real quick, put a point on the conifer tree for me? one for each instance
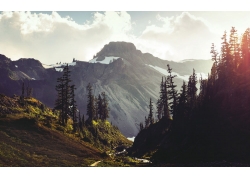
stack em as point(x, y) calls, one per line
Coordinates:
point(90, 103)
point(192, 90)
point(105, 107)
point(182, 102)
point(164, 100)
point(100, 107)
point(64, 96)
point(245, 48)
point(150, 115)
point(95, 108)
point(73, 107)
point(215, 59)
point(159, 109)
point(60, 98)
point(146, 122)
point(172, 92)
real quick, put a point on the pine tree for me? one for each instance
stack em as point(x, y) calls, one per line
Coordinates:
point(95, 108)
point(100, 107)
point(160, 101)
point(90, 103)
point(159, 109)
point(150, 115)
point(105, 107)
point(172, 92)
point(66, 94)
point(60, 98)
point(182, 102)
point(73, 107)
point(164, 100)
point(225, 61)
point(215, 59)
point(192, 90)
point(245, 47)
point(146, 122)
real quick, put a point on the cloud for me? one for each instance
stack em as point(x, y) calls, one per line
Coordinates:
point(52, 38)
point(180, 37)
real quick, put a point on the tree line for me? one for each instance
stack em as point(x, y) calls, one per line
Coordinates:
point(97, 107)
point(172, 105)
point(215, 121)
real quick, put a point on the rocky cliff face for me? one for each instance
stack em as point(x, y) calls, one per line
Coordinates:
point(129, 81)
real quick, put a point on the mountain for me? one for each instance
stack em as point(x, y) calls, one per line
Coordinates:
point(128, 77)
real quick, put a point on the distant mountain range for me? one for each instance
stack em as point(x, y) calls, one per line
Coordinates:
point(128, 76)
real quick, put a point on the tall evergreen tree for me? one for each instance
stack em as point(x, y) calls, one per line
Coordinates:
point(245, 47)
point(95, 108)
point(105, 107)
point(159, 109)
point(182, 102)
point(73, 107)
point(160, 101)
point(60, 98)
point(100, 107)
point(172, 92)
point(146, 122)
point(192, 90)
point(164, 100)
point(64, 96)
point(90, 103)
point(150, 115)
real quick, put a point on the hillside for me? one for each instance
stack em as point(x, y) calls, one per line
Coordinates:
point(129, 79)
point(211, 125)
point(32, 136)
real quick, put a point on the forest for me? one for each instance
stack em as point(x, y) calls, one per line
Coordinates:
point(212, 125)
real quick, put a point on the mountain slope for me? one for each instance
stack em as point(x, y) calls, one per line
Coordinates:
point(31, 135)
point(129, 81)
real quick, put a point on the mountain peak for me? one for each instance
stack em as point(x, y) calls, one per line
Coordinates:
point(116, 48)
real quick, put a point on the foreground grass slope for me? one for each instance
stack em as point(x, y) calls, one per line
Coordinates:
point(30, 135)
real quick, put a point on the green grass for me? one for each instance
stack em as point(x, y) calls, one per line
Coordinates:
point(32, 136)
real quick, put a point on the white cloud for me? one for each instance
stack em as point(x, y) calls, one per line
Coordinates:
point(181, 37)
point(51, 38)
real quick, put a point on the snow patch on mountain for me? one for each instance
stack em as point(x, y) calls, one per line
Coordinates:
point(106, 60)
point(58, 65)
point(59, 69)
point(165, 72)
point(184, 77)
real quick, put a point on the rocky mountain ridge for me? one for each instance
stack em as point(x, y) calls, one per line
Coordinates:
point(129, 82)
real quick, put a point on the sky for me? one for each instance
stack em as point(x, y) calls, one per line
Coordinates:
point(61, 35)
